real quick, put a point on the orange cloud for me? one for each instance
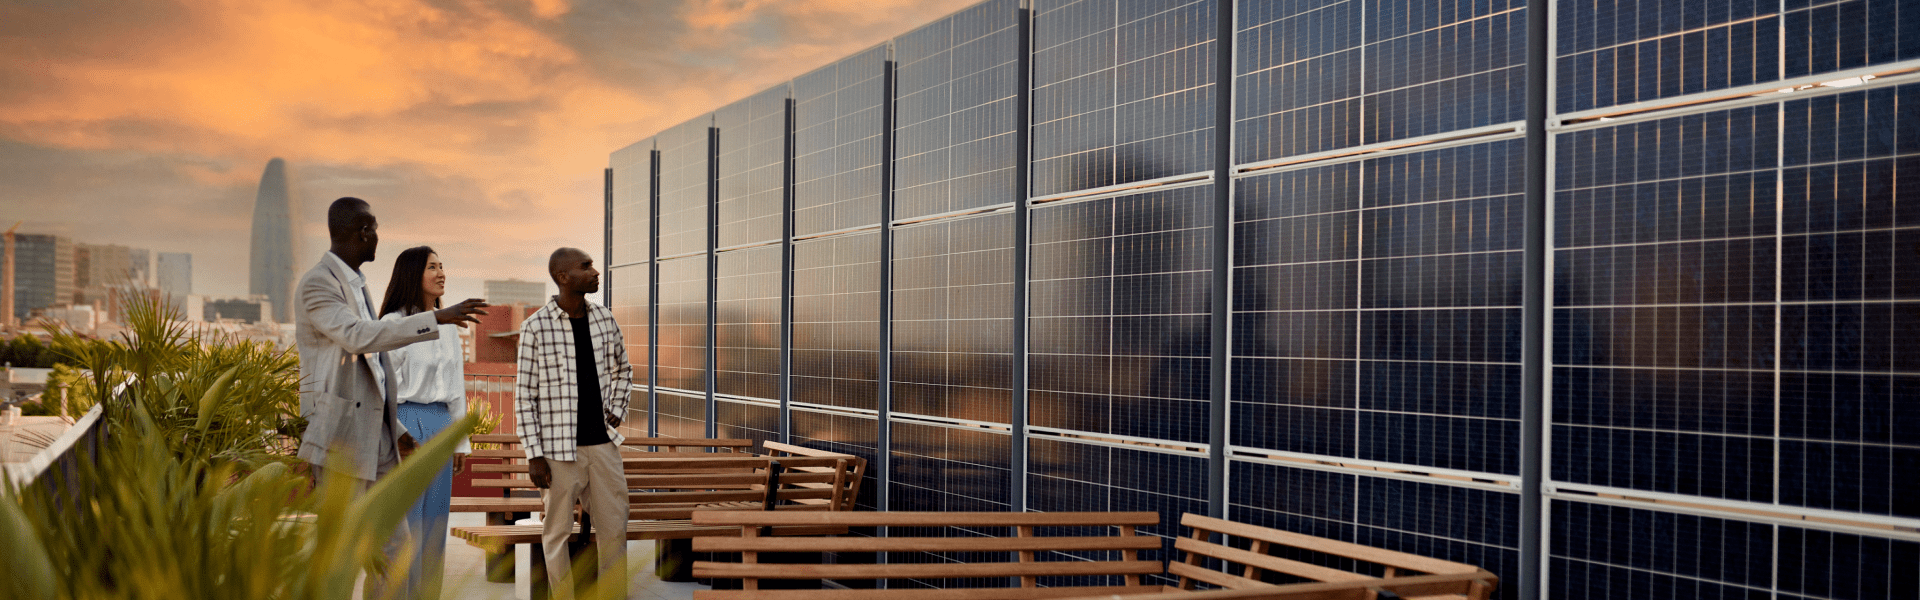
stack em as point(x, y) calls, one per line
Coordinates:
point(508, 107)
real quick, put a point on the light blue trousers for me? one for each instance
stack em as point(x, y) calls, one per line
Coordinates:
point(427, 521)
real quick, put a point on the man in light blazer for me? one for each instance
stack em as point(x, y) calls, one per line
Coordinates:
point(346, 382)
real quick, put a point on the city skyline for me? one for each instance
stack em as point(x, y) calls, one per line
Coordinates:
point(480, 130)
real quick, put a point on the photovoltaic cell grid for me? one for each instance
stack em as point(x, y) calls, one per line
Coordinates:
point(1068, 476)
point(836, 321)
point(957, 110)
point(839, 144)
point(950, 468)
point(683, 187)
point(1120, 306)
point(1123, 91)
point(1315, 76)
point(847, 434)
point(632, 204)
point(747, 323)
point(1679, 244)
point(746, 420)
point(752, 169)
point(953, 294)
point(682, 330)
point(638, 407)
point(632, 295)
point(1612, 53)
point(1603, 552)
point(682, 416)
point(1473, 526)
point(1376, 309)
point(1665, 343)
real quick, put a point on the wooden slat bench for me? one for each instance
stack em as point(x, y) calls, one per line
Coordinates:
point(671, 488)
point(1414, 586)
point(1243, 553)
point(1023, 553)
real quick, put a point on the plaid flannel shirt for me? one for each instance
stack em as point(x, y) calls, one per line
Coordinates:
point(546, 398)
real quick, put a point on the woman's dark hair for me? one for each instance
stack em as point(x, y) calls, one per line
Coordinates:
point(404, 294)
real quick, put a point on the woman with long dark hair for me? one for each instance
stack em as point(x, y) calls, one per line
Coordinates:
point(432, 394)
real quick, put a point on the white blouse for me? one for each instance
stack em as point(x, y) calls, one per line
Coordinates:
point(433, 371)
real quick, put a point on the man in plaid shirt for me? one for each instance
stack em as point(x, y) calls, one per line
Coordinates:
point(570, 397)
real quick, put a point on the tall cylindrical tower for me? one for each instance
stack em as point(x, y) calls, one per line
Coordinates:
point(270, 267)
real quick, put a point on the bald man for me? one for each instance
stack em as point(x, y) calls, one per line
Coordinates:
point(570, 396)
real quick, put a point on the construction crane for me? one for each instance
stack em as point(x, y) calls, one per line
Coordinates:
point(6, 280)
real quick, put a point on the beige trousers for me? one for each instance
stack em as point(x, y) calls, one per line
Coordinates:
point(599, 483)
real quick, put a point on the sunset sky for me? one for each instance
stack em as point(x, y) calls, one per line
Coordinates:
point(480, 127)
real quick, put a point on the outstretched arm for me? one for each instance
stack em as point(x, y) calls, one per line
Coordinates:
point(338, 318)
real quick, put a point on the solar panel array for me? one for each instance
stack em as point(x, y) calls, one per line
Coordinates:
point(1729, 268)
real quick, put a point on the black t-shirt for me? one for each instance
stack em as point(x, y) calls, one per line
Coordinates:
point(593, 422)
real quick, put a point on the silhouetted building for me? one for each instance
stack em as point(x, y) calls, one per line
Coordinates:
point(175, 275)
point(246, 309)
point(270, 266)
point(99, 270)
point(43, 272)
point(509, 291)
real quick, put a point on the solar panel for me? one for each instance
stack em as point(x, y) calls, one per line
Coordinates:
point(1122, 92)
point(632, 204)
point(752, 168)
point(840, 144)
point(755, 421)
point(1376, 309)
point(747, 323)
point(681, 415)
point(1726, 310)
point(684, 186)
point(1120, 292)
point(682, 329)
point(836, 321)
point(953, 292)
point(632, 297)
point(957, 112)
point(937, 468)
point(1611, 53)
point(1319, 76)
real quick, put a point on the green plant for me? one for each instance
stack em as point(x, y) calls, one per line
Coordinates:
point(489, 419)
point(138, 522)
point(209, 397)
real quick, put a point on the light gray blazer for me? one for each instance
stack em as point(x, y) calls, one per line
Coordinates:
point(338, 396)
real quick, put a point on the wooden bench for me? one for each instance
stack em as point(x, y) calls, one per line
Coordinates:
point(673, 487)
point(1023, 553)
point(503, 510)
point(1244, 555)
